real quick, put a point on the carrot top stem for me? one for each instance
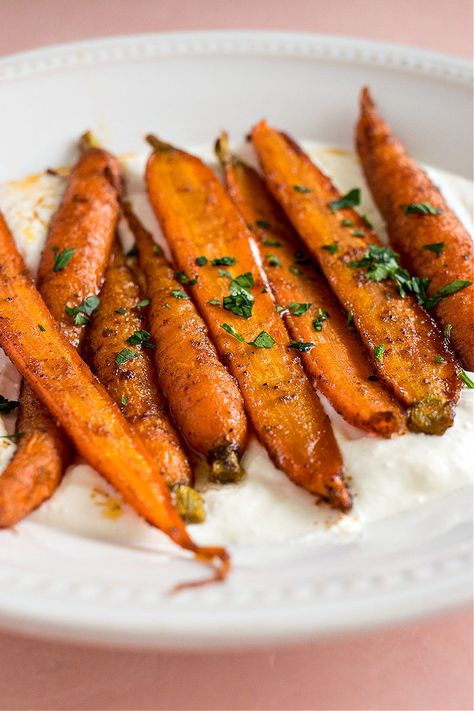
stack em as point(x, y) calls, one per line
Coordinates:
point(158, 145)
point(87, 141)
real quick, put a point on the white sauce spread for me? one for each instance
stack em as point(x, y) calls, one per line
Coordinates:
point(386, 477)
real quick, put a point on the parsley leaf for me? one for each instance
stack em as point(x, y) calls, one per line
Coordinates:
point(301, 346)
point(13, 437)
point(436, 247)
point(124, 400)
point(62, 259)
point(279, 308)
point(420, 208)
point(223, 261)
point(263, 340)
point(245, 281)
point(179, 294)
point(301, 189)
point(141, 338)
point(41, 327)
point(82, 312)
point(240, 301)
point(346, 223)
point(331, 248)
point(298, 309)
point(125, 355)
point(446, 290)
point(201, 261)
point(157, 250)
point(214, 302)
point(271, 243)
point(142, 303)
point(230, 329)
point(439, 358)
point(121, 311)
point(358, 233)
point(263, 224)
point(378, 352)
point(7, 405)
point(366, 221)
point(183, 279)
point(466, 380)
point(318, 322)
point(272, 260)
point(350, 199)
point(447, 330)
point(349, 318)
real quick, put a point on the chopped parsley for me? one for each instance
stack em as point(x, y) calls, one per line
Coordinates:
point(125, 355)
point(279, 308)
point(444, 291)
point(240, 301)
point(82, 312)
point(439, 358)
point(350, 199)
point(179, 294)
point(263, 340)
point(271, 243)
point(230, 329)
point(346, 223)
point(41, 327)
point(466, 380)
point(157, 250)
point(301, 346)
point(62, 259)
point(331, 248)
point(298, 309)
point(13, 437)
point(201, 261)
point(301, 189)
point(142, 303)
point(223, 261)
point(447, 330)
point(263, 224)
point(121, 311)
point(124, 400)
point(378, 352)
point(295, 270)
point(214, 302)
point(273, 260)
point(7, 405)
point(420, 208)
point(358, 233)
point(141, 338)
point(349, 318)
point(436, 247)
point(318, 322)
point(366, 221)
point(184, 279)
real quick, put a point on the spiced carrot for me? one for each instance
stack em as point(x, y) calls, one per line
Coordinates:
point(209, 240)
point(74, 396)
point(429, 237)
point(117, 323)
point(338, 366)
point(71, 269)
point(204, 398)
point(407, 350)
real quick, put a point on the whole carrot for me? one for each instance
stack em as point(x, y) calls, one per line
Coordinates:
point(71, 269)
point(210, 241)
point(338, 366)
point(407, 350)
point(74, 396)
point(431, 240)
point(203, 397)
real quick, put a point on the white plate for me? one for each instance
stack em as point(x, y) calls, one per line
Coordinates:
point(187, 87)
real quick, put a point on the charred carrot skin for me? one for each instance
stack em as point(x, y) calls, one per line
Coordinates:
point(85, 222)
point(396, 181)
point(338, 366)
point(417, 364)
point(204, 398)
point(75, 397)
point(131, 384)
point(199, 219)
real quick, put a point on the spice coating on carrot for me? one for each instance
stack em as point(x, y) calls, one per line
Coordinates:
point(117, 321)
point(71, 269)
point(401, 335)
point(338, 366)
point(431, 240)
point(90, 418)
point(204, 398)
point(200, 221)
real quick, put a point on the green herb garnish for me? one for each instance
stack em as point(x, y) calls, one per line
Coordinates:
point(214, 302)
point(444, 291)
point(13, 437)
point(378, 352)
point(298, 309)
point(301, 189)
point(240, 301)
point(302, 258)
point(7, 405)
point(141, 304)
point(350, 199)
point(125, 355)
point(263, 224)
point(346, 223)
point(466, 380)
point(223, 261)
point(272, 260)
point(295, 270)
point(331, 248)
point(436, 247)
point(271, 243)
point(121, 311)
point(439, 358)
point(124, 400)
point(301, 346)
point(141, 338)
point(41, 327)
point(349, 318)
point(184, 279)
point(157, 251)
point(263, 340)
point(279, 308)
point(318, 322)
point(62, 259)
point(201, 261)
point(367, 221)
point(230, 329)
point(179, 294)
point(358, 233)
point(420, 208)
point(82, 312)
point(447, 330)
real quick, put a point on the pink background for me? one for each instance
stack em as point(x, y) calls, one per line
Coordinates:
point(427, 665)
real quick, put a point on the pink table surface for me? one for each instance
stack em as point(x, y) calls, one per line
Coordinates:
point(427, 665)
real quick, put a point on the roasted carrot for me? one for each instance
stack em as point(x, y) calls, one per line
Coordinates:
point(74, 396)
point(71, 269)
point(117, 323)
point(407, 350)
point(205, 232)
point(204, 398)
point(338, 366)
point(430, 239)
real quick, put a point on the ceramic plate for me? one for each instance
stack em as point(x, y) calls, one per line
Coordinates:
point(187, 87)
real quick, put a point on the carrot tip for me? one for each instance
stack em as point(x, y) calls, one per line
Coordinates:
point(339, 496)
point(431, 416)
point(218, 558)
